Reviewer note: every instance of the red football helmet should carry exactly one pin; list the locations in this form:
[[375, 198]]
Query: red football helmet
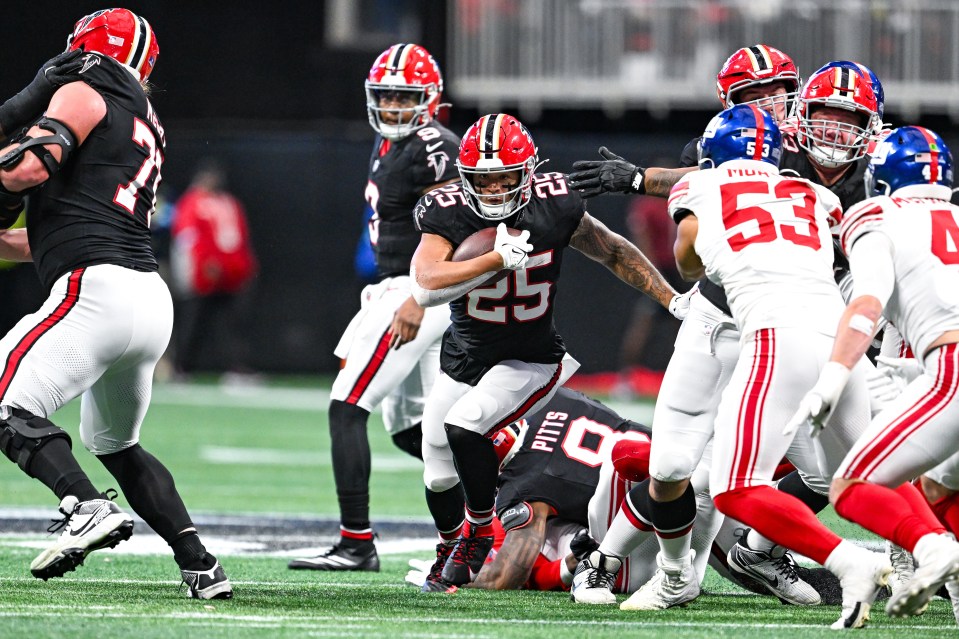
[[507, 441], [409, 74], [831, 143], [119, 34], [755, 66], [497, 144]]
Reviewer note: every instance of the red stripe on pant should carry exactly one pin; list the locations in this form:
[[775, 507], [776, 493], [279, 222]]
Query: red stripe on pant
[[529, 403], [919, 414], [749, 422], [15, 358], [376, 361]]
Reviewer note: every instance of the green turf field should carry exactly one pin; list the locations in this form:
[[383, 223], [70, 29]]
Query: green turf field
[[263, 453]]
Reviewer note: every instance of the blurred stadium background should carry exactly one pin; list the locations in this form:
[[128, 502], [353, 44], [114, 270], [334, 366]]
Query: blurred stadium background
[[276, 91]]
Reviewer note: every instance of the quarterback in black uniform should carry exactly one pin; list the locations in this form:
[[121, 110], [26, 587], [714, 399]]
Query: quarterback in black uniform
[[412, 154], [502, 357], [837, 115], [89, 168]]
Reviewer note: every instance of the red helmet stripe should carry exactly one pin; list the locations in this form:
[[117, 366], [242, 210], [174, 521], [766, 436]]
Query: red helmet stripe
[[933, 154], [760, 132]]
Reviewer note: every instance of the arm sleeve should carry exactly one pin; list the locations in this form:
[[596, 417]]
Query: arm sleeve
[[870, 262]]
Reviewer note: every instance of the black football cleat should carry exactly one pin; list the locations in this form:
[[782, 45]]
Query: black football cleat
[[342, 556]]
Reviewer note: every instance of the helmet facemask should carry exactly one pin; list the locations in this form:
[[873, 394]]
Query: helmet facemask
[[410, 110], [833, 144], [514, 194]]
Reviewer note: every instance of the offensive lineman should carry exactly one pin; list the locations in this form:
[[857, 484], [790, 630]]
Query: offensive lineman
[[97, 152]]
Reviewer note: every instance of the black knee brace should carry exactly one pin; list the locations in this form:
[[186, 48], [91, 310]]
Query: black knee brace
[[22, 434]]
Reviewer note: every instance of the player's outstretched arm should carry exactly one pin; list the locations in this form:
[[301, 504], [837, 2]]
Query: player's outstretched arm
[[660, 182], [511, 567], [593, 239]]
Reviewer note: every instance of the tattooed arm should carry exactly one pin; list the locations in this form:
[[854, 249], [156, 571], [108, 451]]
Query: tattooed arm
[[511, 567], [621, 256], [659, 182]]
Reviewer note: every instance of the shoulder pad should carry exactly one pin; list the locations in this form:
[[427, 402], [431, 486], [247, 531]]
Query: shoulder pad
[[516, 517]]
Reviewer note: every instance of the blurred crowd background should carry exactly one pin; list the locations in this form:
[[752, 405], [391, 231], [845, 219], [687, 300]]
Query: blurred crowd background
[[272, 93]]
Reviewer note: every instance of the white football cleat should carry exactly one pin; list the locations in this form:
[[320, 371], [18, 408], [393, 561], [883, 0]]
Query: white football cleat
[[87, 526], [594, 578], [903, 567], [938, 559], [862, 574], [672, 585]]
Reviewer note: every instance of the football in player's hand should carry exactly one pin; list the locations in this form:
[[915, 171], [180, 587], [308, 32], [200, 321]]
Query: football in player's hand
[[480, 243]]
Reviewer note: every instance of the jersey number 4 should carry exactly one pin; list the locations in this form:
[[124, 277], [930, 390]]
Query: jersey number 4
[[769, 230], [127, 194]]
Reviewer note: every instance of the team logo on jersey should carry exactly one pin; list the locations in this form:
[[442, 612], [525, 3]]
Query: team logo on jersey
[[437, 161]]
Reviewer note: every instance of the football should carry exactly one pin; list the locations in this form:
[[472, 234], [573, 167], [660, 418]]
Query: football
[[480, 243]]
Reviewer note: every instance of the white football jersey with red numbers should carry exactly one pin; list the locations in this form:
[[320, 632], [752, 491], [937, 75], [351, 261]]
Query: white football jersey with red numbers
[[925, 237], [766, 239]]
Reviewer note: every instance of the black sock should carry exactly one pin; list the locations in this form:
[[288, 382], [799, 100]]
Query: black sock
[[477, 465], [446, 508], [150, 490], [670, 516], [410, 441], [351, 463], [189, 553], [792, 484], [640, 499], [54, 465]]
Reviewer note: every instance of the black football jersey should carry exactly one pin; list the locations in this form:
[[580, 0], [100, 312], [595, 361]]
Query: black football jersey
[[400, 171], [560, 458], [97, 208], [513, 318]]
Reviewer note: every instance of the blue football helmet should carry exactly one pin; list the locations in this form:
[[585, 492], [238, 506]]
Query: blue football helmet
[[910, 156], [742, 132], [866, 72]]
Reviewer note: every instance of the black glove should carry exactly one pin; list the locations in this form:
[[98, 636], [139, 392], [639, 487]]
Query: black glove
[[28, 105], [612, 175], [582, 544]]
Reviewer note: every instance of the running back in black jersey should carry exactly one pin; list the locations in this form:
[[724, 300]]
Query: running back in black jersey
[[400, 171], [561, 455], [97, 208], [513, 318]]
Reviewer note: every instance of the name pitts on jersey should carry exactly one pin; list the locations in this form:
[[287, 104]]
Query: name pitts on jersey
[[512, 318], [559, 461], [400, 171]]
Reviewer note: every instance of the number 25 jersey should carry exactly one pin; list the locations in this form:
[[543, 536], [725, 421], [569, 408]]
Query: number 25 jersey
[[766, 239], [97, 208], [512, 318]]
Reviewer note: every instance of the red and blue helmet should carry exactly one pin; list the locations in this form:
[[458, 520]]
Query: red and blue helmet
[[742, 132], [910, 157]]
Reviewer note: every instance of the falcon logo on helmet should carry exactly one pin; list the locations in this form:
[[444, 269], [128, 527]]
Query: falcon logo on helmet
[[406, 79], [493, 149], [119, 34], [756, 66]]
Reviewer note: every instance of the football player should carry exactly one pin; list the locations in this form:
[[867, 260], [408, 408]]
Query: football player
[[90, 166], [898, 242], [390, 350], [708, 344], [780, 287], [502, 358]]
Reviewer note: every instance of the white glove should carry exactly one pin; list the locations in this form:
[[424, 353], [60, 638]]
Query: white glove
[[419, 570], [513, 249], [884, 385], [816, 407], [679, 305], [905, 368]]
